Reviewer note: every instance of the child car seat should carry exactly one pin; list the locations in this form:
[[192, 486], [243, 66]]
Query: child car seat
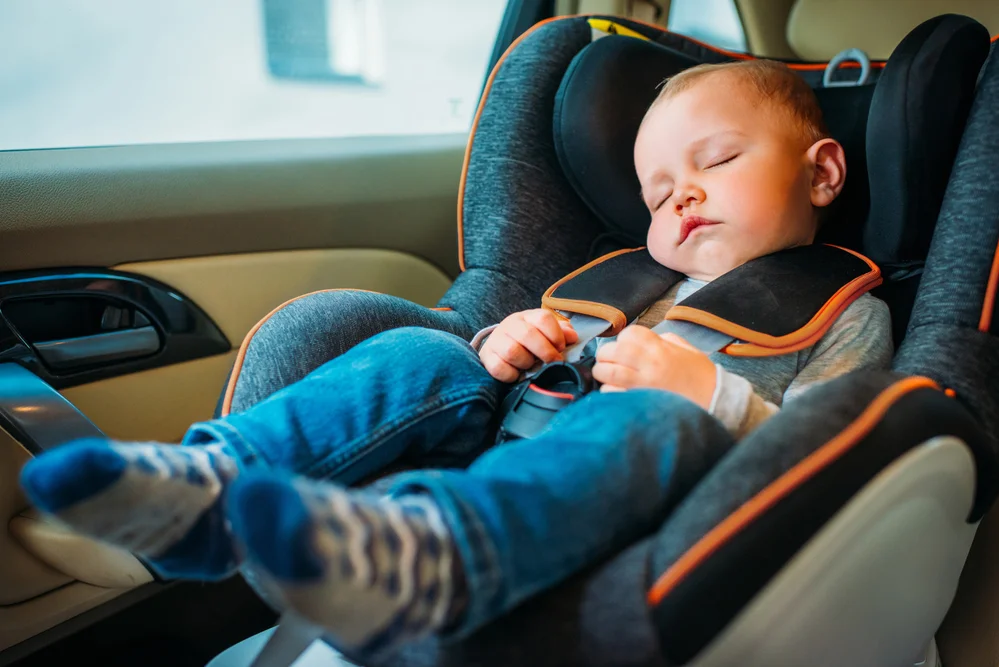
[[836, 532]]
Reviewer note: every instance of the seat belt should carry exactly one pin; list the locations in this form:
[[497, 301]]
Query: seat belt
[[704, 339]]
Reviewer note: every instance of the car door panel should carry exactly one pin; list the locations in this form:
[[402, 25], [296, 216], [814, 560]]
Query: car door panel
[[107, 206], [236, 291], [234, 229]]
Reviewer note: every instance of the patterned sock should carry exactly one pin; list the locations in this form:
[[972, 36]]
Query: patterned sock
[[371, 570], [162, 502]]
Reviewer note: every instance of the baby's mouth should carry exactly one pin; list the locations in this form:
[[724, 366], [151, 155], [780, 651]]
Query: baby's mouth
[[690, 223]]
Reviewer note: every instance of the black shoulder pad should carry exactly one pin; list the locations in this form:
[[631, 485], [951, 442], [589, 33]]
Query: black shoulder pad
[[616, 287]]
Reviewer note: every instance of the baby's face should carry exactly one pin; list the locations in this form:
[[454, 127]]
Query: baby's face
[[726, 177]]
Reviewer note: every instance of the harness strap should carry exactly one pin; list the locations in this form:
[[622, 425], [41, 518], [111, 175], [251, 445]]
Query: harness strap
[[704, 339]]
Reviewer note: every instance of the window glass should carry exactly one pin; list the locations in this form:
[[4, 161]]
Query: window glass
[[715, 22], [109, 72]]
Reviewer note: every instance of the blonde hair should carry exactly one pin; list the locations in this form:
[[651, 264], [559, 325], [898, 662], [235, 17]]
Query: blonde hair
[[776, 84]]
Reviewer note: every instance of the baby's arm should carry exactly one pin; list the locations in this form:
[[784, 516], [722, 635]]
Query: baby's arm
[[860, 338]]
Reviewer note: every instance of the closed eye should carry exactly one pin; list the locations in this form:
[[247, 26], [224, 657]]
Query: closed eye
[[661, 201], [723, 161]]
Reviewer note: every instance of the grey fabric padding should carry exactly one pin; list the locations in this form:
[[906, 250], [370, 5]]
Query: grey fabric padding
[[310, 331], [521, 217], [484, 297], [957, 268], [963, 359], [942, 340], [763, 456]]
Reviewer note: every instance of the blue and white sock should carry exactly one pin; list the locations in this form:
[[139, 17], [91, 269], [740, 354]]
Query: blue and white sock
[[371, 570], [162, 502]]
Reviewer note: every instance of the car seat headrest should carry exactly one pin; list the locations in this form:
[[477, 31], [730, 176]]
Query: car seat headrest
[[907, 126], [917, 118]]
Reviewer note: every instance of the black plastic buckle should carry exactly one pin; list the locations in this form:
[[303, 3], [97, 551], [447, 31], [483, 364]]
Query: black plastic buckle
[[531, 404]]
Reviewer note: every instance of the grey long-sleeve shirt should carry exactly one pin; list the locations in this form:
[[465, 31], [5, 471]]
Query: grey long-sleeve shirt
[[749, 390]]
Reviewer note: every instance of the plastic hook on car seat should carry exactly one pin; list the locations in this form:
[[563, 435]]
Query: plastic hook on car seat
[[847, 55]]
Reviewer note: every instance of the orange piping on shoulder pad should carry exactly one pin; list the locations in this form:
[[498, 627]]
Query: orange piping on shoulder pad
[[617, 318]]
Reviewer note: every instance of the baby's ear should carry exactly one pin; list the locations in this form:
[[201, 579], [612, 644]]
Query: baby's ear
[[828, 170]]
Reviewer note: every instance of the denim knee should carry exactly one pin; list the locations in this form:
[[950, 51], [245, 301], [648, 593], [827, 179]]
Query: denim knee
[[431, 347], [628, 410]]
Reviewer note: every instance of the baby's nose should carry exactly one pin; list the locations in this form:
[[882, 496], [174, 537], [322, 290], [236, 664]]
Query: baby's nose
[[685, 202]]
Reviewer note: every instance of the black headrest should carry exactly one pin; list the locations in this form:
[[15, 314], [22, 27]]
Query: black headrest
[[904, 130]]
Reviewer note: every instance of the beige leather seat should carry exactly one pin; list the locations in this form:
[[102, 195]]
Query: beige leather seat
[[819, 29]]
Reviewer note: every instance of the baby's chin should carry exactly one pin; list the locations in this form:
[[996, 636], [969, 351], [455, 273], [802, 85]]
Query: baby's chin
[[700, 261]]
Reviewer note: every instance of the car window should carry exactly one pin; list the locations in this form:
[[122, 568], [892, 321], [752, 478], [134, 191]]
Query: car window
[[112, 72], [715, 22]]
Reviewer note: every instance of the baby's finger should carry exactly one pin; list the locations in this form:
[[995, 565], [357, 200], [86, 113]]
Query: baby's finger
[[622, 352], [615, 374], [611, 388], [498, 368], [571, 337], [510, 350], [535, 341], [546, 322]]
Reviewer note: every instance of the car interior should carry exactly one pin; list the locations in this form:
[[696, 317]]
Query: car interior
[[138, 276]]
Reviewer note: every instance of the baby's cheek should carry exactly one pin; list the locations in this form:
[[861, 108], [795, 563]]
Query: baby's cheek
[[659, 244]]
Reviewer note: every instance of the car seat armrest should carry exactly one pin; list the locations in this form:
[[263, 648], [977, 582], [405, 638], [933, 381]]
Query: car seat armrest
[[779, 487]]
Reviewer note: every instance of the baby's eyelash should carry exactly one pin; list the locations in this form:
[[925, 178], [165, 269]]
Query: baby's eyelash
[[661, 202], [721, 162]]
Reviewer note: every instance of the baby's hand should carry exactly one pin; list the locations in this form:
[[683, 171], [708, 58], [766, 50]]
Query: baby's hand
[[523, 338], [641, 358]]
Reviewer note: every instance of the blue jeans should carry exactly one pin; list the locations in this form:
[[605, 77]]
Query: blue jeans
[[525, 515]]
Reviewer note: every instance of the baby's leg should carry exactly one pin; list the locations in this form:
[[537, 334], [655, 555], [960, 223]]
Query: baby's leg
[[450, 550], [403, 390]]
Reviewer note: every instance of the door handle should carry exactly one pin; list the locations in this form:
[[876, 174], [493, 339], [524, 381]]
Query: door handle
[[99, 349]]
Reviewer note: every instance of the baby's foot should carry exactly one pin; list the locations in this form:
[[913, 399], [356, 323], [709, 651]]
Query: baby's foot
[[162, 502], [372, 571]]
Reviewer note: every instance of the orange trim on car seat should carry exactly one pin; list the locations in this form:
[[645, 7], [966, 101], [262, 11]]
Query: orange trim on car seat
[[238, 365], [475, 124], [617, 319], [764, 345], [782, 486], [988, 306]]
